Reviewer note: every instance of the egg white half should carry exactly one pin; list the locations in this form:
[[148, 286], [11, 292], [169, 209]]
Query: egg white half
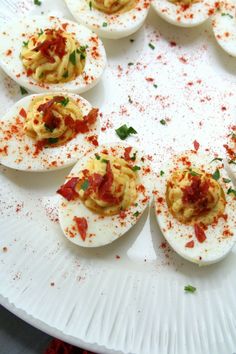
[[224, 26], [112, 26], [218, 243], [17, 149], [14, 33], [103, 230], [178, 15]]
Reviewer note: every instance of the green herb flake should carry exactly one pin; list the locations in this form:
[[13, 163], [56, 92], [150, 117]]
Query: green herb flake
[[41, 75], [85, 185], [136, 204], [37, 2], [52, 140], [90, 5], [104, 24], [23, 91], [97, 157], [40, 33], [123, 132], [193, 173], [155, 85], [65, 75], [133, 158], [72, 58], [216, 159], [190, 289], [130, 100], [227, 14], [136, 214], [104, 160], [151, 46], [226, 180], [65, 101], [48, 128], [231, 191], [163, 122], [130, 64], [25, 44], [136, 168], [232, 162], [216, 175], [162, 173]]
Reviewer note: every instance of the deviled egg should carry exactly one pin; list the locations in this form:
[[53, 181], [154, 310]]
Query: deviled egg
[[47, 132], [51, 54], [184, 13], [194, 208], [104, 195], [224, 26], [112, 19]]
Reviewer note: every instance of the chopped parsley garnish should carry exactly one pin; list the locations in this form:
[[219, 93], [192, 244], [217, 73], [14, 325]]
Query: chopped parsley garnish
[[130, 100], [232, 162], [97, 156], [155, 85], [37, 2], [104, 24], [52, 140], [41, 75], [162, 173], [90, 5], [231, 191], [48, 128], [82, 51], [216, 159], [136, 168], [216, 175], [72, 58], [123, 132], [190, 288], [226, 180], [227, 14], [23, 91], [130, 64], [233, 135], [163, 122], [85, 185], [25, 44], [65, 75], [41, 32], [151, 46], [133, 158], [136, 204], [193, 173], [136, 213], [104, 160], [65, 101]]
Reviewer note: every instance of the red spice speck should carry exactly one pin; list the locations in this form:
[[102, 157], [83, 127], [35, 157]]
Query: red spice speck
[[5, 249], [117, 257], [196, 145], [223, 108], [93, 139], [189, 244], [173, 44]]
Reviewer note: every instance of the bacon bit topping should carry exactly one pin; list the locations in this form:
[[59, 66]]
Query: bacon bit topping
[[104, 191], [49, 119], [127, 153], [23, 113], [199, 233], [189, 244], [82, 226], [196, 193], [89, 119], [68, 189], [29, 72], [196, 145], [54, 46]]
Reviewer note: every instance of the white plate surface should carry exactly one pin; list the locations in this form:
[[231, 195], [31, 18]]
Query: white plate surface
[[134, 304]]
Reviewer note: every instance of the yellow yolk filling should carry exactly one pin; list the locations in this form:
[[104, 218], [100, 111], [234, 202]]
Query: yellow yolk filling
[[55, 127], [195, 197], [53, 56], [120, 194], [184, 2], [113, 6]]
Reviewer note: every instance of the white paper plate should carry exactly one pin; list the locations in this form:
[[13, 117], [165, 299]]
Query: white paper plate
[[136, 303]]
